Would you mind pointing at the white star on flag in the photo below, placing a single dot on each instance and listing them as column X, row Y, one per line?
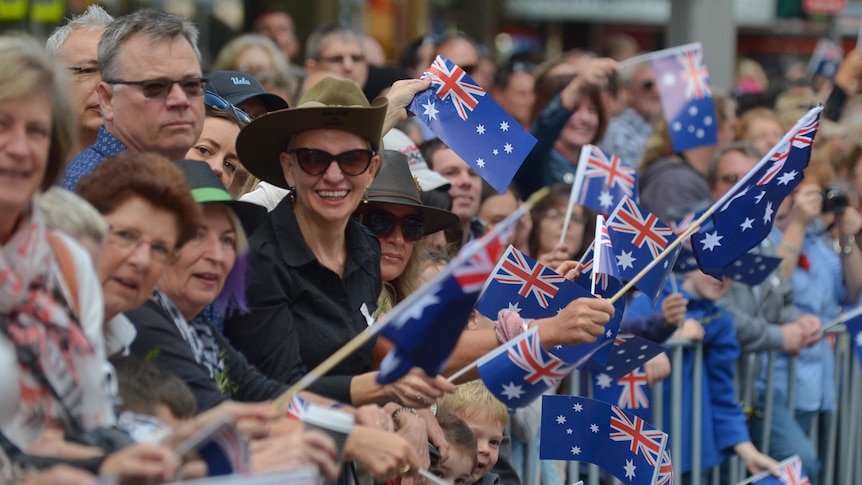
column 576, row 450
column 569, row 431
column 668, row 79
column 480, row 129
column 603, row 381
column 480, row 163
column 625, row 260
column 578, row 407
column 606, row 200
column 430, row 111
column 415, row 312
column 630, row 469
column 514, row 307
column 512, row 391
column 508, row 148
column 504, row 126
column 746, row 224
column 710, row 241
column 561, row 419
column 767, row 214
column 495, row 151
column 594, row 428
column 787, row 177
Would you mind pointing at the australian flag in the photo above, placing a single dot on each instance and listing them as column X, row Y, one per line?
column 751, row 268
column 825, row 60
column 686, row 96
column 577, row 428
column 638, row 238
column 854, row 328
column 744, row 215
column 630, row 392
column 227, row 452
column 472, row 124
column 628, row 353
column 602, row 179
column 685, row 261
column 504, row 291
column 426, row 326
column 521, row 370
column 790, row 473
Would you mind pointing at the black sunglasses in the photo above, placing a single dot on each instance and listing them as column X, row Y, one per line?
column 216, row 102
column 314, row 162
column 382, row 224
column 647, row 85
column 160, row 88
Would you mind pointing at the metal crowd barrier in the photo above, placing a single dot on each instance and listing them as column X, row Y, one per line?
column 839, row 453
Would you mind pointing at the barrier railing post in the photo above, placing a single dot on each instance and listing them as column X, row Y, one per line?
column 768, row 402
column 676, row 418
column 791, row 386
column 697, row 414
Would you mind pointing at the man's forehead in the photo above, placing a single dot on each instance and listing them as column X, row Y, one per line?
column 340, row 43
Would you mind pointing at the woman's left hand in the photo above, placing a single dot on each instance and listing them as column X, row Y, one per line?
column 400, row 95
column 52, row 443
column 417, row 390
column 755, row 461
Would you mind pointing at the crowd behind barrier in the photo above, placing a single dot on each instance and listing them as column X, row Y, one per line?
column 838, row 450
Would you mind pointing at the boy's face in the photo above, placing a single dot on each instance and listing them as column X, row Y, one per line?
column 489, row 436
column 457, row 469
column 705, row 287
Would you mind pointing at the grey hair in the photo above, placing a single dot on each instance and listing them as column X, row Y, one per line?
column 741, row 146
column 326, row 32
column 94, row 18
column 154, row 24
column 68, row 212
column 628, row 70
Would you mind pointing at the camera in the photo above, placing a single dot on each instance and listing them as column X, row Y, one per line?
column 834, row 200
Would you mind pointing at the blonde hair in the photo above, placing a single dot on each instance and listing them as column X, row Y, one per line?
column 473, row 399
column 68, row 212
column 227, row 56
column 29, row 69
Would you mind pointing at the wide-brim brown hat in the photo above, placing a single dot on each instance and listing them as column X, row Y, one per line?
column 395, row 184
column 331, row 103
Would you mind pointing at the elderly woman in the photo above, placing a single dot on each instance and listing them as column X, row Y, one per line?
column 316, row 272
column 50, row 304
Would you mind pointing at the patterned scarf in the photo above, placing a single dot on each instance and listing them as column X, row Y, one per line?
column 37, row 317
column 198, row 334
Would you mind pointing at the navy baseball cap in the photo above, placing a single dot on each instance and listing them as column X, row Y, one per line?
column 237, row 87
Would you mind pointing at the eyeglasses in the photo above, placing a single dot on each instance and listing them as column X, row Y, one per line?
column 314, row 162
column 216, row 102
column 160, row 88
column 340, row 59
column 558, row 215
column 382, row 224
column 130, row 240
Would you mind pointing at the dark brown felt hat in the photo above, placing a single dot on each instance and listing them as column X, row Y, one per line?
column 331, row 103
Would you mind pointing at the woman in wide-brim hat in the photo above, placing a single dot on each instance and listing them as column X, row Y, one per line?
column 315, row 271
column 396, row 215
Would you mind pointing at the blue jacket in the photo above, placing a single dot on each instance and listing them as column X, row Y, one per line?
column 723, row 424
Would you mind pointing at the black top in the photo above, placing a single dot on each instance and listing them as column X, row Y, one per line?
column 301, row 311
column 159, row 340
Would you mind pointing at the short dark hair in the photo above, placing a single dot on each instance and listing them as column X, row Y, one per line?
column 429, row 148
column 149, row 176
column 144, row 385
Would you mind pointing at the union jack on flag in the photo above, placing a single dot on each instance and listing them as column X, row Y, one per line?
column 632, row 395
column 647, row 229
column 689, row 109
column 603, row 251
column 602, row 179
column 665, row 470
column 694, row 73
column 790, row 473
column 649, row 442
column 297, row 407
column 521, row 370
column 452, row 82
column 536, row 279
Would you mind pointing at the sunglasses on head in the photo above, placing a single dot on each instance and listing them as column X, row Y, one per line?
column 160, row 88
column 314, row 162
column 216, row 102
column 382, row 224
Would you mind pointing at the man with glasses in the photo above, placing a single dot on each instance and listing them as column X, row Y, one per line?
column 335, row 48
column 151, row 93
column 75, row 44
column 628, row 132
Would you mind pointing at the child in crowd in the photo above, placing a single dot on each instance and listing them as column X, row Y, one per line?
column 723, row 427
column 152, row 400
column 458, row 467
column 487, row 418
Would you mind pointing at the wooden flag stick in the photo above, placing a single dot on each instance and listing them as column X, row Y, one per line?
column 363, row 338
